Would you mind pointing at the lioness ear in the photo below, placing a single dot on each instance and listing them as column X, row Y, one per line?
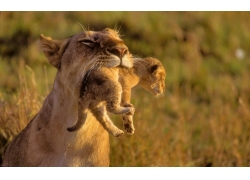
column 51, row 49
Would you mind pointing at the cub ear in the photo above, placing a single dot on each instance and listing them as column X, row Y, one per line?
column 153, row 68
column 51, row 49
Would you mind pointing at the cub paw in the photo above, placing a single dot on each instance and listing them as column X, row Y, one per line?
column 119, row 133
column 128, row 105
column 129, row 128
column 131, row 109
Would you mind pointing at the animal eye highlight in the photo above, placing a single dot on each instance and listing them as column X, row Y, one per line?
column 88, row 42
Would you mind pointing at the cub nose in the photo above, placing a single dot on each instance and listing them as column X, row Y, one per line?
column 118, row 51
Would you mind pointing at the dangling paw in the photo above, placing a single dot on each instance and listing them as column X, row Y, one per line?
column 119, row 133
column 129, row 128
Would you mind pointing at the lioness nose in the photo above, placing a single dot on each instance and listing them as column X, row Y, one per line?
column 118, row 51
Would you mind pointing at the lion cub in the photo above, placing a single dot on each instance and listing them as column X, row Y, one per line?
column 99, row 86
column 113, row 86
column 150, row 74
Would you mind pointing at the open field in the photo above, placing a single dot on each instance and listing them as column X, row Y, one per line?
column 204, row 117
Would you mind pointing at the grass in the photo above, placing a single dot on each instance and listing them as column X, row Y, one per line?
column 203, row 119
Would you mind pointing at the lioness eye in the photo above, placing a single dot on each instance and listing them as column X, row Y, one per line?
column 88, row 42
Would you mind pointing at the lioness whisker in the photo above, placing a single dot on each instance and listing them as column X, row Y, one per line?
column 115, row 28
column 87, row 66
column 136, row 56
column 139, row 59
column 90, row 69
column 95, row 66
column 101, row 63
column 92, row 62
column 141, row 64
column 83, row 28
column 120, row 27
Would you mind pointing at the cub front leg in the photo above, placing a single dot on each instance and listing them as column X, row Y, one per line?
column 114, row 107
column 127, row 118
column 114, row 102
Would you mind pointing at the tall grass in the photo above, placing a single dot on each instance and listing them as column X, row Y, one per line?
column 16, row 111
column 203, row 119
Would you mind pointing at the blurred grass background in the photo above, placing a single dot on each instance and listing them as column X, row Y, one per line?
column 203, row 119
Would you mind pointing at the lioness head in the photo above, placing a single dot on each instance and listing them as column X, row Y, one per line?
column 154, row 80
column 75, row 55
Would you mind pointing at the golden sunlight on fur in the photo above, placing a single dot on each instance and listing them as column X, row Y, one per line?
column 113, row 86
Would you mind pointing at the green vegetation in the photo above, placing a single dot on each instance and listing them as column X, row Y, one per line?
column 204, row 117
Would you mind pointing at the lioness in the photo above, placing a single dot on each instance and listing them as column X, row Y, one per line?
column 45, row 141
column 103, row 85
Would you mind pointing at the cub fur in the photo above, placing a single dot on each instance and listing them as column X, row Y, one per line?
column 113, row 86
column 101, row 90
column 148, row 73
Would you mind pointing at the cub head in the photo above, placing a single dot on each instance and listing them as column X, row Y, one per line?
column 75, row 55
column 154, row 79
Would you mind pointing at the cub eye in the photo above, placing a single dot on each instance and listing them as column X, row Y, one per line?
column 88, row 42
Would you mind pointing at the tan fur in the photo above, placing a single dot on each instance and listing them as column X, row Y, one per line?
column 99, row 87
column 45, row 141
column 108, row 84
column 147, row 72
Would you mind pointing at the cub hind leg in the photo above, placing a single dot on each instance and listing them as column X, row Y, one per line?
column 128, row 124
column 101, row 115
column 127, row 112
column 113, row 100
column 126, row 96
